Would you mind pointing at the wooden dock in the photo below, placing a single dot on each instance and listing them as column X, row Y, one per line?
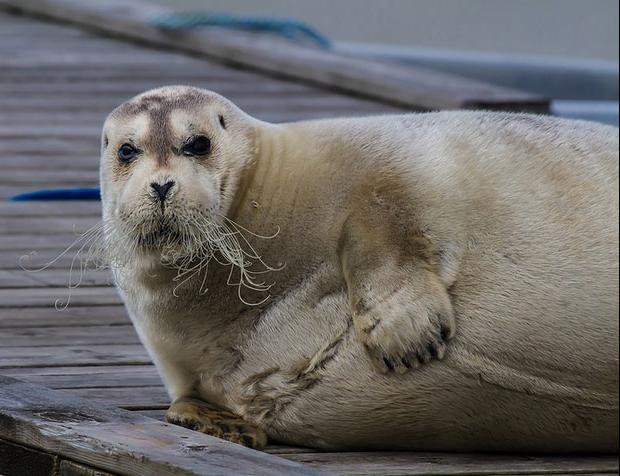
column 78, row 392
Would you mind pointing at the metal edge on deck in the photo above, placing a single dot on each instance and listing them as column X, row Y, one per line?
column 390, row 82
column 120, row 441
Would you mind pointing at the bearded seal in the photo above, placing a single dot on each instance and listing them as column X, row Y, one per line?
column 433, row 281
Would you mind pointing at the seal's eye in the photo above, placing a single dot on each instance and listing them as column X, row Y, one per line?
column 127, row 152
column 197, row 145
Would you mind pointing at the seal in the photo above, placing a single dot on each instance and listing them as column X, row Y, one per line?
column 435, row 281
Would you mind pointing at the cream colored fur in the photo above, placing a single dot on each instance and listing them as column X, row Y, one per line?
column 501, row 227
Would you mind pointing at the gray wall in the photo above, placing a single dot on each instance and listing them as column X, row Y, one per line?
column 574, row 28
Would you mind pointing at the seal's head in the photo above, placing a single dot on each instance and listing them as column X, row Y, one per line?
column 171, row 164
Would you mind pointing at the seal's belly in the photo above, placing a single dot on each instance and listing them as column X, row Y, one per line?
column 306, row 379
column 326, row 393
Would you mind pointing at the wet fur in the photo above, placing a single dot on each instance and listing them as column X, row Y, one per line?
column 504, row 225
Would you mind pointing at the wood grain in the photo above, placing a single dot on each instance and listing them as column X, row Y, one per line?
column 396, row 464
column 88, row 433
column 73, row 355
column 404, row 85
column 11, row 317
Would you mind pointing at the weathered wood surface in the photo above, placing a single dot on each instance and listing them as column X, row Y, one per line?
column 400, row 464
column 405, row 85
column 64, row 336
column 43, row 297
column 90, row 349
column 121, row 441
column 78, row 355
column 72, row 316
column 109, row 376
column 51, row 278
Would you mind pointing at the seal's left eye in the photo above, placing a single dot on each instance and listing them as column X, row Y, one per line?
column 127, row 152
column 197, row 145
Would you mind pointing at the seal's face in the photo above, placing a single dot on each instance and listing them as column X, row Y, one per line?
column 171, row 162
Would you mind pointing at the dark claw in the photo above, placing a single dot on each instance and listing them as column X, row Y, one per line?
column 405, row 362
column 444, row 333
column 388, row 363
column 423, row 358
column 432, row 349
column 247, row 441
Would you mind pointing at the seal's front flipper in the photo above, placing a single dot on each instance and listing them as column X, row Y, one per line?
column 401, row 309
column 408, row 326
column 200, row 416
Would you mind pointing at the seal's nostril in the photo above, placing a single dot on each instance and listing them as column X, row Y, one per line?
column 162, row 189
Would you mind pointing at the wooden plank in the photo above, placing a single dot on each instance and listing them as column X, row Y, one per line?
column 19, row 278
column 48, row 146
column 404, row 463
column 11, row 259
column 27, row 243
column 34, row 118
column 45, row 58
column 129, row 398
column 43, row 297
column 42, row 224
column 404, row 85
column 102, row 105
column 121, row 441
column 240, row 86
column 49, row 209
column 46, row 177
column 155, row 414
column 85, row 377
column 72, row 316
column 64, row 336
column 281, row 449
column 9, row 279
column 76, row 355
column 194, row 69
column 38, row 163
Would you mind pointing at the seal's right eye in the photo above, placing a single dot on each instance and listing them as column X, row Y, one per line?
column 127, row 153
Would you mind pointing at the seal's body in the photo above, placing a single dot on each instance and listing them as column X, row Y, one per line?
column 491, row 238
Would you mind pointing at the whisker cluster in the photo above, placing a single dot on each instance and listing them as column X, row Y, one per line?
column 87, row 253
column 188, row 244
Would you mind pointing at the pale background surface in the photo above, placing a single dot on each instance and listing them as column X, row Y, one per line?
column 568, row 28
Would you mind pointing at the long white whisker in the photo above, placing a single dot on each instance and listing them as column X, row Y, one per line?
column 59, row 256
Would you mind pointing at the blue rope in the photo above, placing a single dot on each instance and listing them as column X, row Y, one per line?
column 288, row 28
column 59, row 194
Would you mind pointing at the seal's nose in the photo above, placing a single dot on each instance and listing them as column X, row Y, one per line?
column 162, row 189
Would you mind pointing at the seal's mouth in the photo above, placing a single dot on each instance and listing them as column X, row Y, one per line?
column 154, row 233
column 162, row 237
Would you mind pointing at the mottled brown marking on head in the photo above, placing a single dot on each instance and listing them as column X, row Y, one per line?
column 159, row 141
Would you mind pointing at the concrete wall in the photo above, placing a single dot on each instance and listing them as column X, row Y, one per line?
column 572, row 28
